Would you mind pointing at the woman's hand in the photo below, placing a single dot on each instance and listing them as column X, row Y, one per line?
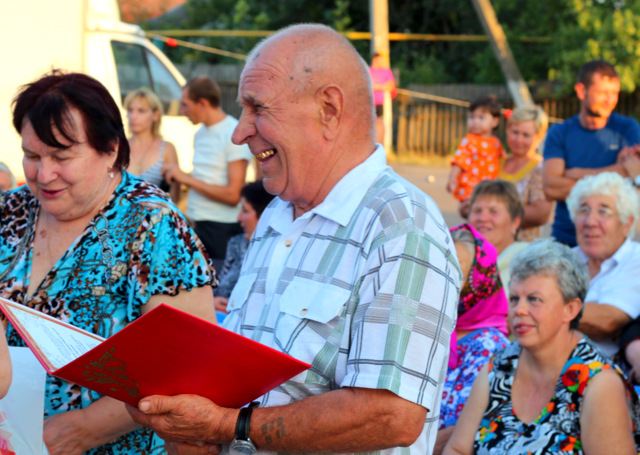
column 65, row 434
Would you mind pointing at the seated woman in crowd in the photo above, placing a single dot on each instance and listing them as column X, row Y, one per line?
column 149, row 152
column 551, row 391
column 495, row 210
column 92, row 245
column 481, row 328
column 253, row 200
column 604, row 209
column 526, row 128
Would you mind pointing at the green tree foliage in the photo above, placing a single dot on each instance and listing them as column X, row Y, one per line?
column 578, row 31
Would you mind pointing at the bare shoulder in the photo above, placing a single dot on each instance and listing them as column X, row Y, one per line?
column 170, row 153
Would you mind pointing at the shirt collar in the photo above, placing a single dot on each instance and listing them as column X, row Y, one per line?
column 618, row 257
column 345, row 197
column 343, row 200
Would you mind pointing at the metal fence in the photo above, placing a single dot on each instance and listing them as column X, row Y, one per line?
column 425, row 128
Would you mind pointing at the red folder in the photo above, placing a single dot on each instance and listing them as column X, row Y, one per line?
column 169, row 352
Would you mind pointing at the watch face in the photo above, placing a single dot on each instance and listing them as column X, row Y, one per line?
column 242, row 447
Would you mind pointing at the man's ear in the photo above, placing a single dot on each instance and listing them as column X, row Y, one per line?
column 330, row 101
column 580, row 90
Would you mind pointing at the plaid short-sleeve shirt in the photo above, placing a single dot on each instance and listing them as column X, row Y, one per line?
column 364, row 287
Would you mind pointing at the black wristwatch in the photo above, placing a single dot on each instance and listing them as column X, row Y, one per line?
column 241, row 444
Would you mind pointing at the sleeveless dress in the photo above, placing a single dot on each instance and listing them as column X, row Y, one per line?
column 154, row 173
column 557, row 428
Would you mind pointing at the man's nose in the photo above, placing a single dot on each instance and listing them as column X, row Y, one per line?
column 244, row 129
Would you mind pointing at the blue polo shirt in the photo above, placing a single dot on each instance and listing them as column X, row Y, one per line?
column 580, row 147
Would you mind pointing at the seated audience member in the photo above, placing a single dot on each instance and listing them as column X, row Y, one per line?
column 88, row 243
column 604, row 209
column 7, row 179
column 254, row 199
column 495, row 210
column 149, row 152
column 529, row 398
column 526, row 128
column 481, row 326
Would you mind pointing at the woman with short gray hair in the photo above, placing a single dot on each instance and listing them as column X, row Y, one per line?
column 604, row 209
column 551, row 390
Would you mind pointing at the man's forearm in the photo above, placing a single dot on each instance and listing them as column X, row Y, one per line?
column 345, row 420
column 220, row 193
column 601, row 321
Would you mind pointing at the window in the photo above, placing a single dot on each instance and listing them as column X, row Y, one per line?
column 137, row 67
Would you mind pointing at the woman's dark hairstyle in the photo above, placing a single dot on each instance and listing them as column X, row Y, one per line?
column 255, row 194
column 46, row 103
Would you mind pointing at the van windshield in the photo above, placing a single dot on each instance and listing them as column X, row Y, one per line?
column 137, row 67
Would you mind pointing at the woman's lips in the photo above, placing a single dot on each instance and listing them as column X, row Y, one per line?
column 266, row 154
column 521, row 329
column 50, row 193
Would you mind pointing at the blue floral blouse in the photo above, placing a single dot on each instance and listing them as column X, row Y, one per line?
column 139, row 245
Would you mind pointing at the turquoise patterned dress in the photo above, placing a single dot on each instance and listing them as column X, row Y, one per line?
column 138, row 246
column 557, row 429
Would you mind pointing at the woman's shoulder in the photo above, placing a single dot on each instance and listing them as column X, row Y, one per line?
column 135, row 193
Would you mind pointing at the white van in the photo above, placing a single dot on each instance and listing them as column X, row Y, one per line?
column 85, row 36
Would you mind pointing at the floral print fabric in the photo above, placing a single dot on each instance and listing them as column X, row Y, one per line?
column 138, row 246
column 474, row 350
column 557, row 428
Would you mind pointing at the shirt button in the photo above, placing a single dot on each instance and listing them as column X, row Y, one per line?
column 233, row 303
column 304, row 311
column 288, row 243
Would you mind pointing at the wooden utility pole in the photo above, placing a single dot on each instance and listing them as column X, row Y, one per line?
column 516, row 85
column 379, row 22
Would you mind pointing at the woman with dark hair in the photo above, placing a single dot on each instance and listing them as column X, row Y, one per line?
column 92, row 245
column 254, row 199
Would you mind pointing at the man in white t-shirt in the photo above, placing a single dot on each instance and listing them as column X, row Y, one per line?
column 219, row 168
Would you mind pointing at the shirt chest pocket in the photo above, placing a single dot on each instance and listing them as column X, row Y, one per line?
column 310, row 319
column 240, row 292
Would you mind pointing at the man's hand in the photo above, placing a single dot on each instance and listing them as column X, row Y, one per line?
column 187, row 419
column 220, row 304
column 172, row 173
column 631, row 164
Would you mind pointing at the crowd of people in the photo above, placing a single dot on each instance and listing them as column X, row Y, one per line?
column 422, row 338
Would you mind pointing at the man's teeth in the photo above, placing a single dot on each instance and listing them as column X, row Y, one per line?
column 266, row 154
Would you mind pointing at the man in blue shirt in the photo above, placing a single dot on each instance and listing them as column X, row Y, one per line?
column 588, row 143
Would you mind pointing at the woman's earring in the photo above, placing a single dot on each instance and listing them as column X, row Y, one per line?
column 111, row 173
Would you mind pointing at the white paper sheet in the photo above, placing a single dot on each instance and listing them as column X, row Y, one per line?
column 59, row 344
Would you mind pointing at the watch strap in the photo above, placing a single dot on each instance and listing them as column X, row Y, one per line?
column 244, row 420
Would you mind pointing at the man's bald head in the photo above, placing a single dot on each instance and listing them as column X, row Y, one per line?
column 315, row 55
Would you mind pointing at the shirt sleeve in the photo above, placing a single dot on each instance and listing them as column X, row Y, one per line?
column 553, row 144
column 633, row 132
column 238, row 152
column 534, row 190
column 167, row 257
column 619, row 288
column 400, row 334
